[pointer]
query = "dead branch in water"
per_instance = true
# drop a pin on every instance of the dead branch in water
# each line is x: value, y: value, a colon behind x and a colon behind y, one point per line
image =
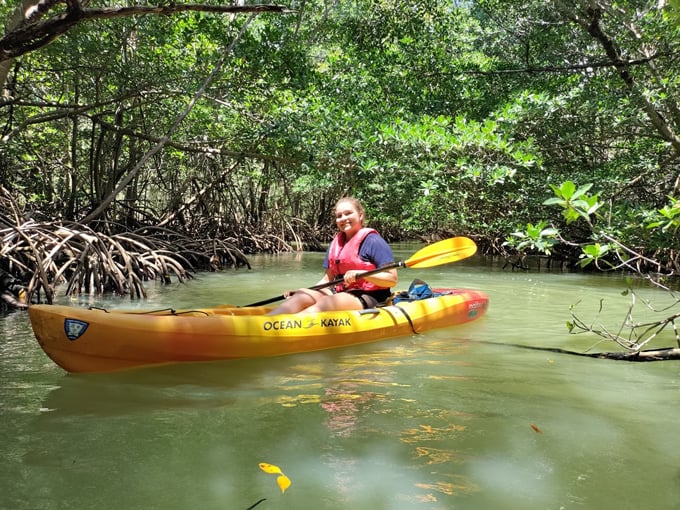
x: 667, y: 354
x: 631, y: 335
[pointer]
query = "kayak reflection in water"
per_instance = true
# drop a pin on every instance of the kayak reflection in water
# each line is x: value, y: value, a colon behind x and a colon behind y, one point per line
x: 354, y: 250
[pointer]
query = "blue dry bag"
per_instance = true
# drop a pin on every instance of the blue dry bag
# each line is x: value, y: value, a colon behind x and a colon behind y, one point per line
x: 417, y: 290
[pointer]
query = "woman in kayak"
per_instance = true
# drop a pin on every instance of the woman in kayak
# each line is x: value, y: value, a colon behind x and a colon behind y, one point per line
x: 354, y: 250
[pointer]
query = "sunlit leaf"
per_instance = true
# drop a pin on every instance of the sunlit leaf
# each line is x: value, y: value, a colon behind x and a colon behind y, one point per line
x: 270, y: 468
x: 582, y: 190
x: 567, y: 189
x: 283, y: 482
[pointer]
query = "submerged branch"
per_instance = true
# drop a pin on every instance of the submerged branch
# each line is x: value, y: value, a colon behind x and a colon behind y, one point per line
x: 668, y: 354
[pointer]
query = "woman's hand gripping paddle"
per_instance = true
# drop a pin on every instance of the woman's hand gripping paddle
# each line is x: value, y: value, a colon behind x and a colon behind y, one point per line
x: 437, y: 254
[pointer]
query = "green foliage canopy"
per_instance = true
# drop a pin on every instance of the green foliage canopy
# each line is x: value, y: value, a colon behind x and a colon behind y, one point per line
x: 445, y: 117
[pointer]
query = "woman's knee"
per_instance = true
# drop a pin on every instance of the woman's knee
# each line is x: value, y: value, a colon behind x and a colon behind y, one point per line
x: 339, y: 301
x: 308, y: 296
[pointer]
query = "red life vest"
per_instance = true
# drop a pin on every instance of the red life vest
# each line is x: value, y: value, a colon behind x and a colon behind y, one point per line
x: 344, y: 256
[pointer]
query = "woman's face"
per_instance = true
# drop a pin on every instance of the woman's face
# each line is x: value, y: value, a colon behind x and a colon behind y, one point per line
x: 348, y: 219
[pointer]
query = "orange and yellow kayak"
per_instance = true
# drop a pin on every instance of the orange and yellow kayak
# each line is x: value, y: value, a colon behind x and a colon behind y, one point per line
x: 98, y: 340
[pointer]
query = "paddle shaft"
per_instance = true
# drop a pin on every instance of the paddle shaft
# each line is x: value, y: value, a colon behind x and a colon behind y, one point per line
x: 337, y: 281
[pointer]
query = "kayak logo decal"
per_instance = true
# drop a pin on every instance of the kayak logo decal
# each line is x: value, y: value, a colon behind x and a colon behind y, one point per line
x: 300, y: 324
x: 331, y: 323
x: 473, y: 308
x: 75, y: 328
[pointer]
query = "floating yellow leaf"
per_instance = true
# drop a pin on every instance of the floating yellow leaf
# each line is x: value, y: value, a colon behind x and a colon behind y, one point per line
x: 270, y: 468
x: 283, y: 482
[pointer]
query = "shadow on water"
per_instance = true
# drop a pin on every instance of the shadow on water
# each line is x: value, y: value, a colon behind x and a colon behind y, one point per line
x: 171, y: 387
x: 205, y: 385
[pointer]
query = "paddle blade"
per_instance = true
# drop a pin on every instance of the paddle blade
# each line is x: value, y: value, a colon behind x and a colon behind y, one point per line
x: 443, y: 252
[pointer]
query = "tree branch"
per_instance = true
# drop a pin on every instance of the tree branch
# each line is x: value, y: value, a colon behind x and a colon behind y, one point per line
x: 593, y: 24
x: 33, y: 35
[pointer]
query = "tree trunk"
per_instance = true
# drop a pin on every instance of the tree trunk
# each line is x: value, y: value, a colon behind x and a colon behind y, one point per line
x: 21, y: 14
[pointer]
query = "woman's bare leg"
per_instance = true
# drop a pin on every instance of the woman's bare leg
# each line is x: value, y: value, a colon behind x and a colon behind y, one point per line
x: 339, y: 301
x: 301, y: 300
